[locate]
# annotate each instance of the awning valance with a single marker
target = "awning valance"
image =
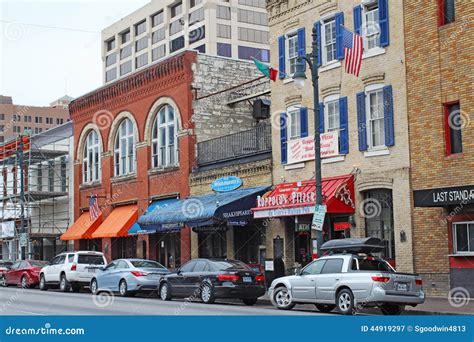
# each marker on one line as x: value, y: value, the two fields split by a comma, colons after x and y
x: 82, y: 228
x: 137, y: 229
x: 299, y: 198
x: 202, y: 210
x: 118, y: 222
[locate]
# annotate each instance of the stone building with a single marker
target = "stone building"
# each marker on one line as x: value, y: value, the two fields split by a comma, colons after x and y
x: 440, y: 113
x: 365, y: 167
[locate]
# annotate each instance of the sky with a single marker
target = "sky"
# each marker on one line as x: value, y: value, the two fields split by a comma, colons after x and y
x: 52, y: 48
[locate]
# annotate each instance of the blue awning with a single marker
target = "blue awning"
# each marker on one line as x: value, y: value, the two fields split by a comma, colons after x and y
x: 204, y: 210
x: 137, y: 229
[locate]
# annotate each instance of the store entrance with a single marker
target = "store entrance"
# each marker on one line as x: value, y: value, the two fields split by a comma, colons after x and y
x: 247, y: 242
x: 303, y: 248
x: 168, y: 249
x: 212, y: 244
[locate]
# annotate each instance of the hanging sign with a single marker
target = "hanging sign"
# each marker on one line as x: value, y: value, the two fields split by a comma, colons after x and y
x: 226, y: 184
x: 318, y: 217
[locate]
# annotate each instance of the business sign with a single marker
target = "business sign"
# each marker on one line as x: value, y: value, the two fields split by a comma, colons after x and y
x: 226, y: 184
x: 301, y: 150
x: 303, y: 227
x: 318, y: 217
x: 338, y: 226
x: 442, y: 197
x: 7, y: 229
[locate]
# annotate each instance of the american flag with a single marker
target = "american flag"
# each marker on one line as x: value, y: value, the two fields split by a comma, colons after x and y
x: 353, y: 48
x: 94, y: 210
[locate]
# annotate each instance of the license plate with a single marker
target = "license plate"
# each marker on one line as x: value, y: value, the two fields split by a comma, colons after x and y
x: 247, y: 279
x: 402, y: 287
x: 91, y: 270
x: 153, y: 276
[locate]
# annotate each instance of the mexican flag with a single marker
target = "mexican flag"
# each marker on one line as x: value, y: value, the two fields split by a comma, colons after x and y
x: 266, y: 70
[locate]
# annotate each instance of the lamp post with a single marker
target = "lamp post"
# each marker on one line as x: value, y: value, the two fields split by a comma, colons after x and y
x: 299, y: 78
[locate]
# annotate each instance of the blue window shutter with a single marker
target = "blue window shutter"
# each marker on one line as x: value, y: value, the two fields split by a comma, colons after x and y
x: 383, y: 23
x: 344, y: 126
x: 388, y: 116
x: 281, y: 57
x: 321, y: 117
x: 339, y: 35
x: 304, y: 121
x: 302, y: 44
x: 357, y: 13
x: 283, y: 138
x: 361, y: 122
x: 317, y: 26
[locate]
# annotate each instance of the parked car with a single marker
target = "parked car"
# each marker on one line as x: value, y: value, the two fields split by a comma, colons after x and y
x: 71, y: 270
x: 128, y: 276
x: 24, y: 273
x: 4, y: 266
x: 209, y: 279
x: 349, y: 279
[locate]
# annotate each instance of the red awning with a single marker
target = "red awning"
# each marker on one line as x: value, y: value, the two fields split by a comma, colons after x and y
x: 299, y: 198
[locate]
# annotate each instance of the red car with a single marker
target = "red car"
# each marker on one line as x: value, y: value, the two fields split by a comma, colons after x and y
x: 24, y: 273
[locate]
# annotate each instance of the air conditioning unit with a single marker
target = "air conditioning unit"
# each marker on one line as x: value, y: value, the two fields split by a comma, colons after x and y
x: 261, y: 109
x: 369, y: 2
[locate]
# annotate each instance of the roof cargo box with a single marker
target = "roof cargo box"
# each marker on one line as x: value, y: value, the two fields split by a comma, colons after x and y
x: 354, y: 245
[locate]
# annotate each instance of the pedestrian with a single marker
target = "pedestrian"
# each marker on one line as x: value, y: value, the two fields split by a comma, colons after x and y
x: 279, y: 267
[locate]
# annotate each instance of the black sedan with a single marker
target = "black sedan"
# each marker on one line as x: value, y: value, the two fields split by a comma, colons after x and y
x: 209, y: 279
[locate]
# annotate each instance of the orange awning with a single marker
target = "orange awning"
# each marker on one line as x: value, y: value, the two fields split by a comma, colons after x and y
x: 82, y: 228
x: 117, y: 224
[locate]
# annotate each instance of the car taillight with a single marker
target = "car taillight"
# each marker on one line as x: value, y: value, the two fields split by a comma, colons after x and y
x: 73, y: 267
x: 418, y: 282
x: 260, y: 278
x: 139, y: 274
x: 381, y: 279
x: 228, y: 277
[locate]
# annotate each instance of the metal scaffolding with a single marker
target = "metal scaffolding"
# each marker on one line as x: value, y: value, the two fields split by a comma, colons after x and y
x: 34, y: 195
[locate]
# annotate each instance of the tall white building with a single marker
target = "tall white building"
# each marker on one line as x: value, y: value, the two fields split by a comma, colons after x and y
x: 232, y: 28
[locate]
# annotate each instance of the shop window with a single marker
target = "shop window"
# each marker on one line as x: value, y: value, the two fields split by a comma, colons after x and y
x: 91, y: 158
x: 164, y: 144
x: 446, y: 12
x: 378, y: 215
x: 124, y: 154
x: 454, y: 122
x: 463, y: 237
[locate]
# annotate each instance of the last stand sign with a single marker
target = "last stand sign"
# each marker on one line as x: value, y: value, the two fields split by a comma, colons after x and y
x: 441, y: 197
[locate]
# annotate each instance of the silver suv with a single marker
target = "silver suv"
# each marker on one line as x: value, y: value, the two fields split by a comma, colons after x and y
x: 71, y: 270
x: 348, y: 282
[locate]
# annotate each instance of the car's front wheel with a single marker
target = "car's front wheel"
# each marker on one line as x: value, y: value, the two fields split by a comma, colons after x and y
x: 3, y: 281
x: 42, y: 284
x: 165, y: 292
x: 282, y: 298
x: 345, y: 302
x: 392, y: 310
x: 94, y: 287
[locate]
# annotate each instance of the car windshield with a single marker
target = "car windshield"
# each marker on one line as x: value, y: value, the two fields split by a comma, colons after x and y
x: 38, y: 263
x: 90, y: 259
x: 146, y: 264
x: 371, y: 264
x: 230, y: 264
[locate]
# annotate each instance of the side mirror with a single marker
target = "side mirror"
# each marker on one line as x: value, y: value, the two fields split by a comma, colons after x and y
x: 178, y: 272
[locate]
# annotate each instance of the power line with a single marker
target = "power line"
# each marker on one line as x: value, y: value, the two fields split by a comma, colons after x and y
x: 48, y: 27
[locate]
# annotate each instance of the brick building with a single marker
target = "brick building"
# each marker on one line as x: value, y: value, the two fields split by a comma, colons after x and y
x: 16, y: 119
x: 135, y: 149
x: 366, y: 179
x: 440, y: 110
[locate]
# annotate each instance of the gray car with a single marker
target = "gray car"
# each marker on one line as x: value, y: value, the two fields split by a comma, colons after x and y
x: 128, y: 276
x: 348, y: 282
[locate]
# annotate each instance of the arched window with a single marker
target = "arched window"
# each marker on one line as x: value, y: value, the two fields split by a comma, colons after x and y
x: 164, y: 143
x: 124, y: 153
x: 91, y: 158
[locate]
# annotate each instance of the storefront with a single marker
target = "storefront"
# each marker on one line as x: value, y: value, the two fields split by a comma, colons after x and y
x: 81, y: 230
x: 458, y: 220
x: 293, y: 205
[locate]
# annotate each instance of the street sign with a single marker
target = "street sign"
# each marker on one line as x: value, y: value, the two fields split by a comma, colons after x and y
x: 318, y: 217
x: 23, y: 240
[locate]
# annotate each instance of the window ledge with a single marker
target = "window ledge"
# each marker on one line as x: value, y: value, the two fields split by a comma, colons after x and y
x: 90, y: 185
x: 118, y: 179
x: 376, y: 153
x: 333, y: 159
x: 330, y: 66
x: 373, y: 52
x: 294, y: 166
x: 460, y: 255
x: 159, y: 170
x: 455, y: 156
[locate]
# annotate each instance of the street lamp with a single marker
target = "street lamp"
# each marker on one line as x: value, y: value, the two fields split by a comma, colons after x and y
x: 299, y: 78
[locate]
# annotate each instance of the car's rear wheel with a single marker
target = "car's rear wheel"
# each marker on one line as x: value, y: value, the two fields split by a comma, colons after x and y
x: 63, y: 283
x: 123, y: 288
x: 24, y: 282
x: 165, y: 292
x: 282, y: 298
x: 250, y: 301
x: 207, y: 294
x: 345, y: 302
x: 392, y: 310
x: 42, y: 284
x: 326, y: 308
x: 94, y: 287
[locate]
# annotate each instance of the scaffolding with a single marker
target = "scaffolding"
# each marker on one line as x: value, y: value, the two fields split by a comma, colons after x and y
x: 35, y: 200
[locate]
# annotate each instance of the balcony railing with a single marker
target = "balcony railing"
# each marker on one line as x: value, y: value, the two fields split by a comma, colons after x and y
x: 239, y: 145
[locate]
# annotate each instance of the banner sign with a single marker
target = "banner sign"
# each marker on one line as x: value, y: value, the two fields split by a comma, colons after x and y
x: 301, y: 150
x: 441, y: 197
x: 7, y: 229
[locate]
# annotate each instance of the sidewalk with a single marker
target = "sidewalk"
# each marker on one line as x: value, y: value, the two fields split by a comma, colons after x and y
x: 431, y: 306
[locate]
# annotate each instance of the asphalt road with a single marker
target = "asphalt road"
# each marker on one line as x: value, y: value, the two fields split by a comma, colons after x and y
x: 17, y: 301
